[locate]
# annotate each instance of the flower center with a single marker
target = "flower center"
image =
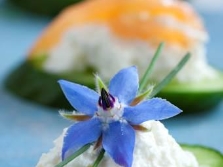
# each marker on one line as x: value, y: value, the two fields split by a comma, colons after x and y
x: 106, y: 100
x: 109, y: 108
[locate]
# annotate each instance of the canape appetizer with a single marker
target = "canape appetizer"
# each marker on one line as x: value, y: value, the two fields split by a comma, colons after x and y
x: 104, y: 36
x: 115, y: 127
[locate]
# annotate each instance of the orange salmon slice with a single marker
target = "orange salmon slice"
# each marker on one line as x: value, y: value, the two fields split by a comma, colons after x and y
x: 129, y: 19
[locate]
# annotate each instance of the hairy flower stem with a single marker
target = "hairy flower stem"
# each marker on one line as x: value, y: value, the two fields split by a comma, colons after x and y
x: 99, y: 158
x: 73, y: 156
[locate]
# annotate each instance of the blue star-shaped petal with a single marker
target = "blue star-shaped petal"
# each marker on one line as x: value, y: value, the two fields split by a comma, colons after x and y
x: 111, y: 115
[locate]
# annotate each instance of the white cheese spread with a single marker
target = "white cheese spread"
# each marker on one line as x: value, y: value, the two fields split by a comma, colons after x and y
x: 97, y: 47
x: 155, y: 148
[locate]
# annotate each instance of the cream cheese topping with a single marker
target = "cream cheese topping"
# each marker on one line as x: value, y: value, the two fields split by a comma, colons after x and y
x: 155, y: 148
x: 95, y: 46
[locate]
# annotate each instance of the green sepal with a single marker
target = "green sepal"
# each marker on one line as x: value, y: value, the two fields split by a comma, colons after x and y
x: 73, y: 116
x: 142, y: 96
x: 100, y: 84
x: 141, y: 128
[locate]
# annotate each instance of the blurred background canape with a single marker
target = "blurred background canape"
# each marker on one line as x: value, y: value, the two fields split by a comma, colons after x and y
x: 103, y: 36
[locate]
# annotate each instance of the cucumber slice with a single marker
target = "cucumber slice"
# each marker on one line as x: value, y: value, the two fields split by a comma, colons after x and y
x: 44, y: 7
x: 191, y: 97
x: 206, y: 157
x: 36, y: 85
x: 32, y: 83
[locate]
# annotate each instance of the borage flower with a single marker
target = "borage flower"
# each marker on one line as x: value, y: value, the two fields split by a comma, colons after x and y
x: 111, y: 115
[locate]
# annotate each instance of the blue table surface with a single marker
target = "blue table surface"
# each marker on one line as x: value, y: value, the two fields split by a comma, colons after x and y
x: 27, y: 130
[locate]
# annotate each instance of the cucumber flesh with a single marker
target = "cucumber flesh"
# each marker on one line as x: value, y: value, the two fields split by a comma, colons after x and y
x: 206, y: 157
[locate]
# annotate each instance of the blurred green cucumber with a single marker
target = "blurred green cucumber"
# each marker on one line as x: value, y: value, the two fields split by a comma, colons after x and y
x: 192, y: 97
x: 34, y: 84
x: 44, y: 7
x: 206, y: 157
